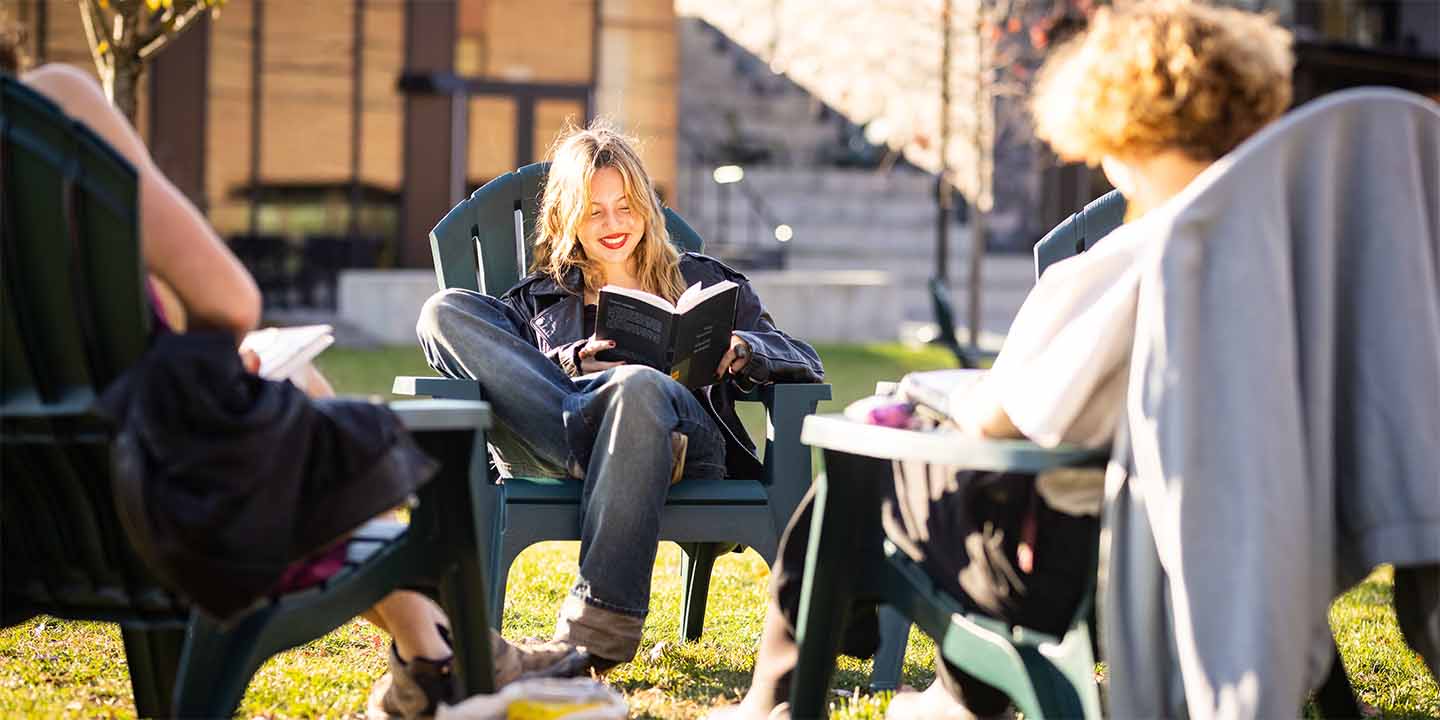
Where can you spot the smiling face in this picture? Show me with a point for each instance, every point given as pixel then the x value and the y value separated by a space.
pixel 611 228
pixel 600 215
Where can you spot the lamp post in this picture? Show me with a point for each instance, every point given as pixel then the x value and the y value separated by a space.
pixel 725 176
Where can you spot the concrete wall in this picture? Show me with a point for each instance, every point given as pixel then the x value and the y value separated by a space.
pixel 382 305
pixel 820 307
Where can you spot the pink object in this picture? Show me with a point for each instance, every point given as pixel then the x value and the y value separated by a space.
pixel 896 415
pixel 313 571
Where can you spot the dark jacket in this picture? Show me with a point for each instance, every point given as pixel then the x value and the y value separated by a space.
pixel 554 316
pixel 224 479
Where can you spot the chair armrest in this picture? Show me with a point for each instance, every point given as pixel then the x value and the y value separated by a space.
pixel 838 433
pixel 436 387
pixel 786 406
pixel 433 415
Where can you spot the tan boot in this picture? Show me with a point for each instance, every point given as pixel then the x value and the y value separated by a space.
pixel 413 689
pixel 555 658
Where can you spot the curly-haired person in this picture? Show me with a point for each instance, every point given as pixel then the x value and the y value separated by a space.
pixel 1154 93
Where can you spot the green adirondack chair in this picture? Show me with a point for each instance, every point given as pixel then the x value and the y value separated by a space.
pixel 73 317
pixel 1080 231
pixel 484 244
pixel 1055 681
pixel 1051 682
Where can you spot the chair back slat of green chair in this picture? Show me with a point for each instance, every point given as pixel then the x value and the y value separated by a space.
pixel 1080 231
pixel 1077 233
pixel 73 317
pixel 486 242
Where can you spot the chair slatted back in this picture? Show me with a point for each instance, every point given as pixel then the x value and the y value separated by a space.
pixel 72 319
pixel 1080 231
pixel 486 242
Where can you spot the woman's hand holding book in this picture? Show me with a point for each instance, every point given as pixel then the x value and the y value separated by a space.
pixel 587 353
pixel 735 358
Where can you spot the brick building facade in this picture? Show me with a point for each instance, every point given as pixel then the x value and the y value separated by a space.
pixel 371 117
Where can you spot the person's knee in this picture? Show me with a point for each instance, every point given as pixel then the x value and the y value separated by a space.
pixel 453 308
pixel 643 384
pixel 648 396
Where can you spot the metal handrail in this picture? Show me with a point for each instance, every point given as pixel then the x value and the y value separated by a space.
pixel 759 214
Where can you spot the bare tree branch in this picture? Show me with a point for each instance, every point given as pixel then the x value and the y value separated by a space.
pixel 93 20
pixel 160 35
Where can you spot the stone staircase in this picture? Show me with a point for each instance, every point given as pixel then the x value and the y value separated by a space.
pixel 844 218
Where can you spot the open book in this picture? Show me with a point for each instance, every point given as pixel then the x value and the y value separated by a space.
pixel 685 340
pixel 284 351
pixel 942 391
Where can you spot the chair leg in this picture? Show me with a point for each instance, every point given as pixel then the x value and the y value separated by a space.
pixel 699 562
pixel 1062 680
pixel 497 555
pixel 153 657
pixel 216 666
pixel 894 637
pixel 499 571
pixel 832 556
pixel 469 631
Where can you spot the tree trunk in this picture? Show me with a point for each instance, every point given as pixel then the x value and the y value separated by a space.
pixel 978 230
pixel 942 178
pixel 124 85
pixel 978 224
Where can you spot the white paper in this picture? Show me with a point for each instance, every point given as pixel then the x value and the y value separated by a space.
pixel 284 351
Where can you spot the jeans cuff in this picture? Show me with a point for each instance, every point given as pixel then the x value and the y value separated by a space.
pixel 605 633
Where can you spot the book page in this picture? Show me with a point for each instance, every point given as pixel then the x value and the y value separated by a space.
pixel 694 295
pixel 702 335
pixel 685 298
pixel 640 295
pixel 640 330
pixel 284 351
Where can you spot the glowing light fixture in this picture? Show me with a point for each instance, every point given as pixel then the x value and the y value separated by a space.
pixel 783 233
pixel 726 174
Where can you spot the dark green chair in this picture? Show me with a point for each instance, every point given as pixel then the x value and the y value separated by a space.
pixel 1045 676
pixel 1080 231
pixel 944 312
pixel 484 244
pixel 73 317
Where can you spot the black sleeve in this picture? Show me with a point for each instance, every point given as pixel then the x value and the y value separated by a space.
pixel 566 357
pixel 775 356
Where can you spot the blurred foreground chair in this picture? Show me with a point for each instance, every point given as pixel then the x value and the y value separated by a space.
pixel 1283 233
pixel 73 317
pixel 1027 675
pixel 484 244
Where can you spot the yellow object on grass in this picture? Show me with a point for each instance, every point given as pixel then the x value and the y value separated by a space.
pixel 542 710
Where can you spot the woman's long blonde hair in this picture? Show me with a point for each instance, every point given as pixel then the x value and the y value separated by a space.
pixel 575 158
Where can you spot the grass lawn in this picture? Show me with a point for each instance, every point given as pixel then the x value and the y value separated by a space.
pixel 57 668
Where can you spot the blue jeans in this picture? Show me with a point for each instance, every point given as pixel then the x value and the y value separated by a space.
pixel 611 431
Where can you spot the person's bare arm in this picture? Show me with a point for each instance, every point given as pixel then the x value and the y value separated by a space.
pixel 985 417
pixel 179 246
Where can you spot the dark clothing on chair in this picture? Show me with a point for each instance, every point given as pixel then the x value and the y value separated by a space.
pixel 964 529
pixel 223 479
